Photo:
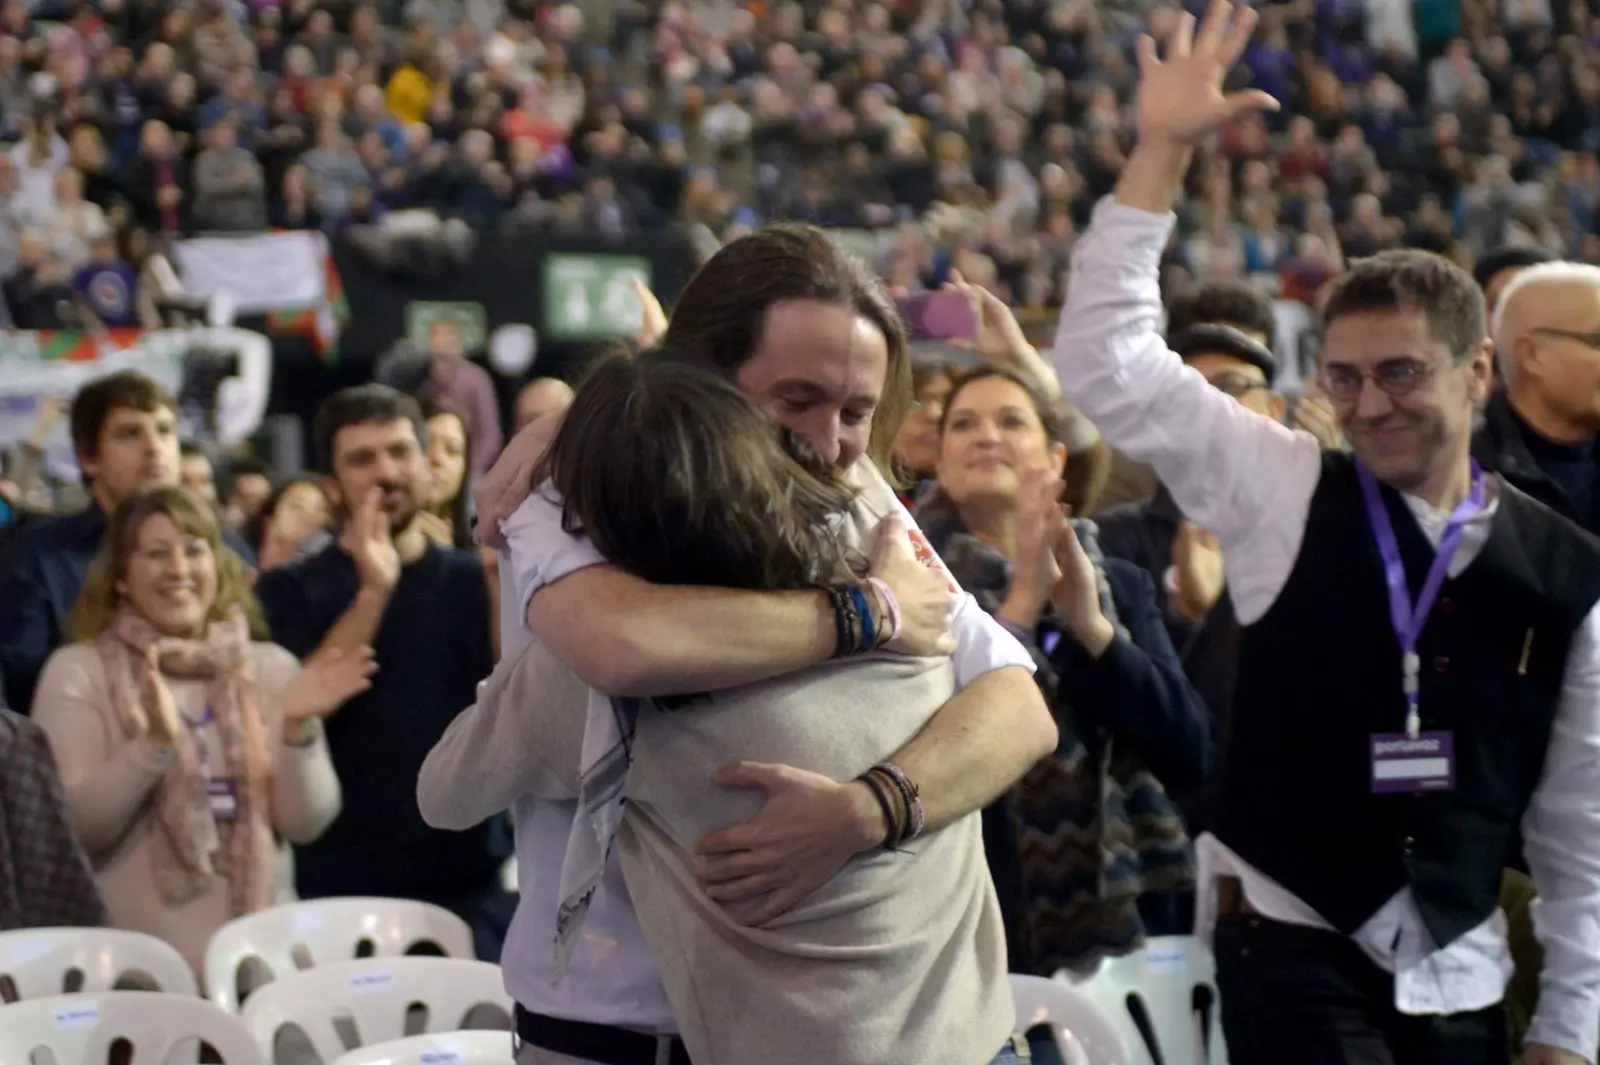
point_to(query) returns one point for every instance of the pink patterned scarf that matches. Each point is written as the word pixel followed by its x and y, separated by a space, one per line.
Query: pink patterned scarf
pixel 192 847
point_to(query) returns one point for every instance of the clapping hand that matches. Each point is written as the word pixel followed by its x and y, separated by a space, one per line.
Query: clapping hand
pixel 369 543
pixel 326 682
pixel 1040 518
pixel 163 725
pixel 1076 595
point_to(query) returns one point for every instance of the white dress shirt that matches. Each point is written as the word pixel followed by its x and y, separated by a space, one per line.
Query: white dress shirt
pixel 611 978
pixel 1250 480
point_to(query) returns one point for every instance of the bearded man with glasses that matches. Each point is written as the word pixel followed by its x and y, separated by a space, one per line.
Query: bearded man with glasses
pixel 1419 665
pixel 1540 431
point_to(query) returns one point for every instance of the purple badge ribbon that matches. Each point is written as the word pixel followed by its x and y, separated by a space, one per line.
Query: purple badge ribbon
pixel 1408 618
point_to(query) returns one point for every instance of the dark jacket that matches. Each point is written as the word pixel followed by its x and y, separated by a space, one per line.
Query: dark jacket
pixel 1499 445
pixel 1135 692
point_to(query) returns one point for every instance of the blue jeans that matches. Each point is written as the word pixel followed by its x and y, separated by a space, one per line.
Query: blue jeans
pixel 1015 1052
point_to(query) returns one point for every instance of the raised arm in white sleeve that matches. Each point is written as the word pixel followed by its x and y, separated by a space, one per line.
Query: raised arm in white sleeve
pixel 1241 475
pixel 1561 838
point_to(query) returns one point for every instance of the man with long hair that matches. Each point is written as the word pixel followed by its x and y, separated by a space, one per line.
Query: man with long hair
pixel 808 333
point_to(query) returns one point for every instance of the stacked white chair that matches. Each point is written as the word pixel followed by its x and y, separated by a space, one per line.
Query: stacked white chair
pixel 38 961
pixel 445 1048
pixel 300 935
pixel 1084 1033
pixel 81 1029
pixel 376 996
pixel 1163 979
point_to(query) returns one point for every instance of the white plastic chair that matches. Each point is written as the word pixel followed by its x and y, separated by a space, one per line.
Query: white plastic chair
pixel 445 1048
pixel 1163 980
pixel 39 962
pixel 1083 1032
pixel 376 996
pixel 80 1029
pixel 287 939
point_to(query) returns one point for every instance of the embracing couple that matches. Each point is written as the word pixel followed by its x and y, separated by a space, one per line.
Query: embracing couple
pixel 745 719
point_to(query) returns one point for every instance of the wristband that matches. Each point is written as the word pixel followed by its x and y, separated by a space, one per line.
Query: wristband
pixel 841 622
pixel 893 621
pixel 868 634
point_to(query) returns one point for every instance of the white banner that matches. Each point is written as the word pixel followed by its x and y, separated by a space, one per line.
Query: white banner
pixel 260 273
pixel 35 366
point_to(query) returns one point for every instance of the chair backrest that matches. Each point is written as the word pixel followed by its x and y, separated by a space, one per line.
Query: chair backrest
pixel 1172 984
pixel 300 935
pixel 41 962
pixel 375 996
pixel 81 1029
pixel 445 1048
pixel 1084 1033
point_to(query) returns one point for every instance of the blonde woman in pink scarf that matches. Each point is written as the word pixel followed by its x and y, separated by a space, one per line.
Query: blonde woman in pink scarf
pixel 191 749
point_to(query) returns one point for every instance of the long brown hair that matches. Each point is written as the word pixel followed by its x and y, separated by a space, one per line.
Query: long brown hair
pixel 720 315
pixel 98 602
pixel 677 477
pixel 1087 468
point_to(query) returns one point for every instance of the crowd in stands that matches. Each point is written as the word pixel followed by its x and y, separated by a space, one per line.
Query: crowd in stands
pixel 978 134
pixel 972 138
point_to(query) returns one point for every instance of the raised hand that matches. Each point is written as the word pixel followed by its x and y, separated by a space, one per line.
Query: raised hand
pixel 652 319
pixel 1180 99
pixel 326 682
pixel 925 592
pixel 369 543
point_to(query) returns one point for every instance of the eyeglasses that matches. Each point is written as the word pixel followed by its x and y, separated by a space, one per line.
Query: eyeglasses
pixel 1396 377
pixel 1236 384
pixel 1591 340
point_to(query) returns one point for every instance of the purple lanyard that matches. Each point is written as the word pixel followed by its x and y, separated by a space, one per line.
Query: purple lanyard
pixel 1409 619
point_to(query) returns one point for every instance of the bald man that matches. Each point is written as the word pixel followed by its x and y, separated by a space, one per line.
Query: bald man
pixel 1540 431
pixel 541 396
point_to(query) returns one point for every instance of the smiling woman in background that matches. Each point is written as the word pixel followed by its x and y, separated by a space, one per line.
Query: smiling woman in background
pixel 1088 850
pixel 186 747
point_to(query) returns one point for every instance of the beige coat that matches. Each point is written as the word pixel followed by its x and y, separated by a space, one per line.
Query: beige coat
pixel 109 780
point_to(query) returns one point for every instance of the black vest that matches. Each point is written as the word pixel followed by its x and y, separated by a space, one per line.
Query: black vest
pixel 1320 672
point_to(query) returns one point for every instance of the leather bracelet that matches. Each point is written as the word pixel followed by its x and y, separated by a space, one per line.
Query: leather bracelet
pixel 891 822
pixel 841 622
pixel 912 796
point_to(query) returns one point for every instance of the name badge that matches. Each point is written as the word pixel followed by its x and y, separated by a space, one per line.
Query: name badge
pixel 224 797
pixel 1403 764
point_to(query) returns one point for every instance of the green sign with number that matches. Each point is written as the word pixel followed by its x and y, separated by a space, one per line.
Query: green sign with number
pixel 590 297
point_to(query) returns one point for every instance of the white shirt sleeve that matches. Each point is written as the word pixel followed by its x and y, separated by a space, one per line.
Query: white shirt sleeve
pixel 982 644
pixel 1561 838
pixel 541 551
pixel 1243 476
